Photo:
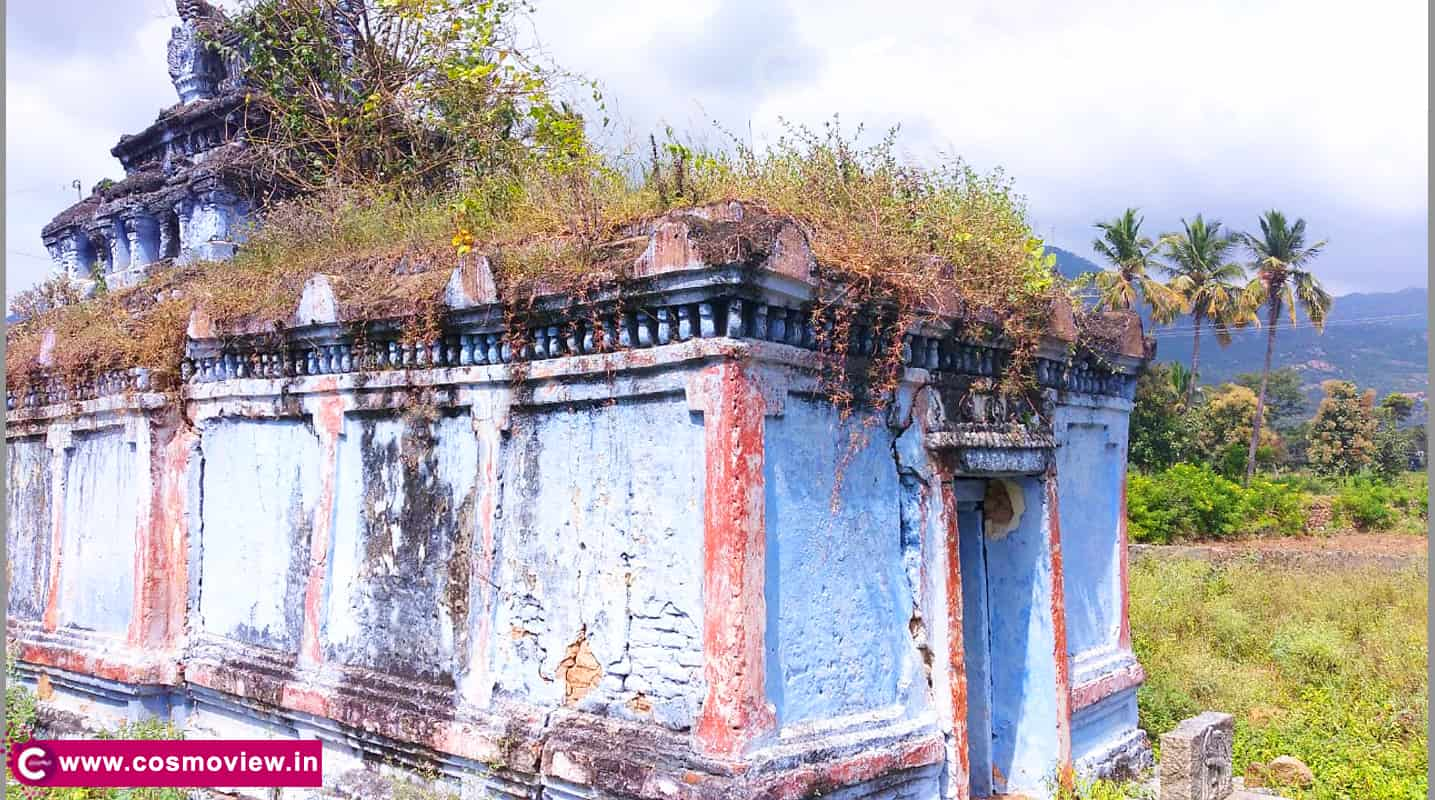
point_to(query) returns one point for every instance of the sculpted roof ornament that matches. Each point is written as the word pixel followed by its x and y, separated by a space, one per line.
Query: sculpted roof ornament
pixel 194 66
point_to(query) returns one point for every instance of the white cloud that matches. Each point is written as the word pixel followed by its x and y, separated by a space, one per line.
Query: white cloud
pixel 64 112
pixel 1226 107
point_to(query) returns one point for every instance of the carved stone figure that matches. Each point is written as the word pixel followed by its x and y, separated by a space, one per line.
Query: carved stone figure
pixel 195 66
pixel 1196 758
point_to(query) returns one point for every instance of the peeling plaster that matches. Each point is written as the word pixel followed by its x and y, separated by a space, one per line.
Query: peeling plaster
pixel 1004 504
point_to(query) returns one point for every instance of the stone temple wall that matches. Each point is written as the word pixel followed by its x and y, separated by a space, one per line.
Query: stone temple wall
pixel 647 561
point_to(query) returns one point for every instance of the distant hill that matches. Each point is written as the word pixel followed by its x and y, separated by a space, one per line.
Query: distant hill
pixel 1069 264
pixel 1377 339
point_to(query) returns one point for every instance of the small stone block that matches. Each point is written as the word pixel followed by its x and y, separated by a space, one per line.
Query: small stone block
pixel 1196 758
pixel 471 284
pixel 317 304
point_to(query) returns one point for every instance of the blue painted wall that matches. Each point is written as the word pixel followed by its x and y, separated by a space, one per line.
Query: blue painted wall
pixel 102 479
pixel 838 598
pixel 1098 727
pixel 1090 460
pixel 260 483
pixel 28 534
pixel 1019 581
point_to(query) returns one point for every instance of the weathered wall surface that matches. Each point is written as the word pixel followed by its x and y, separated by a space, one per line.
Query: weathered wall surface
pixel 259 488
pixel 838 597
pixel 1091 446
pixel 403 541
pixel 599 560
pixel 100 512
pixel 1092 441
pixel 27 539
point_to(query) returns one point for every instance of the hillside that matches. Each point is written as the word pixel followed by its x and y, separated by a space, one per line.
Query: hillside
pixel 1375 339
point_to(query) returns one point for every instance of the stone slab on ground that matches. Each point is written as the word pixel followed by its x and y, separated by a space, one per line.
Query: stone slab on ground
pixel 1196 758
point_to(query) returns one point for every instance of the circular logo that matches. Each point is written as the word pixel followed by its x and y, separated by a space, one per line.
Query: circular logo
pixel 33 763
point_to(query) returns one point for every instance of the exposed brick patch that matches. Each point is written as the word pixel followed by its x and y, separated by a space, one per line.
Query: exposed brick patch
pixel 579 670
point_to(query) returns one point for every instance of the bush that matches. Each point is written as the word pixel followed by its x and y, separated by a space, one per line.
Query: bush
pixel 1367 504
pixel 1194 502
pixel 19 706
pixel 1310 655
pixel 1183 502
pixel 1274 508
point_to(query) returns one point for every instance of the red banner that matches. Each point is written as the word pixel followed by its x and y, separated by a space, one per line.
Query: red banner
pixel 175 763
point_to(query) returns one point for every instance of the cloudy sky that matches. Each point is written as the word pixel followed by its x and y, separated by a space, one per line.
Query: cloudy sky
pixel 1225 107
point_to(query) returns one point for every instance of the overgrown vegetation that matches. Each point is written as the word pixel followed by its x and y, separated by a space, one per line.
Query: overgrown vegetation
pixel 1328 666
pixel 1193 502
pixel 412 94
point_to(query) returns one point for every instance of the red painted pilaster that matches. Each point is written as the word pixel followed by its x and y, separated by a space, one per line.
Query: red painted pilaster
pixel 736 710
pixel 161 539
pixel 1058 625
pixel 328 416
pixel 959 770
pixel 490 418
pixel 59 442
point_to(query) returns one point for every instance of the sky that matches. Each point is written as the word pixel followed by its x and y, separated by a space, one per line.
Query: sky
pixel 1225 108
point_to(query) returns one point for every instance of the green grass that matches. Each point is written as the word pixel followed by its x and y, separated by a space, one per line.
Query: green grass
pixel 1327 666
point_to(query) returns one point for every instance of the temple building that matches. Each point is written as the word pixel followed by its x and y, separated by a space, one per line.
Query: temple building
pixel 621 546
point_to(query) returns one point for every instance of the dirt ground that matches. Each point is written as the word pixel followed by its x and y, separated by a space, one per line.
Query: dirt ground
pixel 1352 542
pixel 1348 549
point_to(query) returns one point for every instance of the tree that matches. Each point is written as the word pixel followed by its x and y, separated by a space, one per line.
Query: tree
pixel 1183 381
pixel 1205 281
pixel 1162 431
pixel 1281 283
pixel 1296 439
pixel 1392 445
pixel 1227 419
pixel 1286 404
pixel 1415 444
pixel 411 93
pixel 1399 406
pixel 52 293
pixel 1342 434
pixel 1130 253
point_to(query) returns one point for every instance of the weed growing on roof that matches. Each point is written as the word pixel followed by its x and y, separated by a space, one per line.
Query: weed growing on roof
pixel 896 243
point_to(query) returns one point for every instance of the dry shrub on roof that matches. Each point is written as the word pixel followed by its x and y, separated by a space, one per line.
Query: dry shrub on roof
pixel 895 241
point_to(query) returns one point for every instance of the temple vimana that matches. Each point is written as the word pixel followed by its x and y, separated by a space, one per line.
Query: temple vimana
pixel 630 572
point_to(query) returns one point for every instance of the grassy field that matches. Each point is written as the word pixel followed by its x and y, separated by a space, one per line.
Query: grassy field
pixel 1327 665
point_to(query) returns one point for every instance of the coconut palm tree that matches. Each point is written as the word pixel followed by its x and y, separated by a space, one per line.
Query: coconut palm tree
pixel 1130 254
pixel 1282 282
pixel 1207 283
pixel 1183 383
